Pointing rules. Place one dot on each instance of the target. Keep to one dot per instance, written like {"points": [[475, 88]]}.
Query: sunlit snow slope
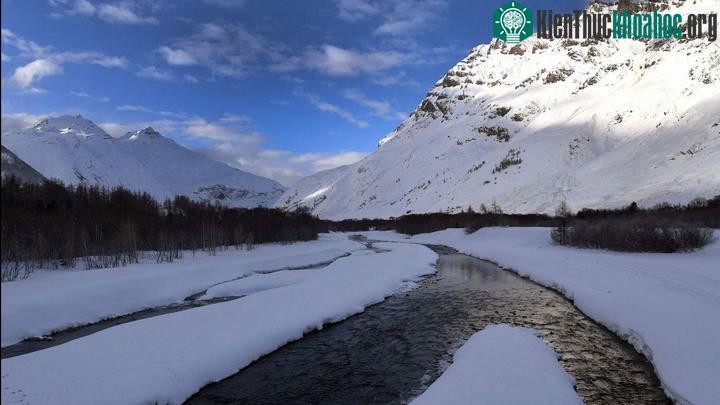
{"points": [[596, 123]]}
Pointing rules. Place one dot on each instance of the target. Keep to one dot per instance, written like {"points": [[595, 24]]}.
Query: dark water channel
{"points": [[391, 352], [192, 301]]}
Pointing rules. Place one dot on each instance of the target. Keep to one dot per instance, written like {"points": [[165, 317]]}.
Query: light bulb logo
{"points": [[512, 23]]}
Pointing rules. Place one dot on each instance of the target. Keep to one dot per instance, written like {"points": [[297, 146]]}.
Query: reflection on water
{"points": [[391, 352]]}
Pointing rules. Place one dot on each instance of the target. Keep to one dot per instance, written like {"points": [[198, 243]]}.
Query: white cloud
{"points": [[216, 131], [17, 121], [89, 96], [109, 61], [33, 71], [177, 56], [27, 48], [284, 166], [190, 78], [234, 118], [381, 109], [83, 7], [355, 10], [121, 14], [340, 159], [323, 105], [33, 91], [397, 17], [144, 109], [134, 107], [232, 50], [337, 61], [225, 49], [46, 62], [5, 58], [124, 12], [151, 72]]}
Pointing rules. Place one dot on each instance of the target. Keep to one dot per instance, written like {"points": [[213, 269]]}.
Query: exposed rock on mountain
{"points": [[599, 123]]}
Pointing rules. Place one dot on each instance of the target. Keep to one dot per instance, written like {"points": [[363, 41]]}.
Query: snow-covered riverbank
{"points": [[502, 364], [167, 358], [666, 305], [53, 300]]}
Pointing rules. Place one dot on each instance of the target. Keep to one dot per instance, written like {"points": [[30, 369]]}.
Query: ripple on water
{"points": [[394, 350]]}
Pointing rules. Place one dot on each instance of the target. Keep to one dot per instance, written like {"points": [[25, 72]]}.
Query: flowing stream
{"points": [[395, 349]]}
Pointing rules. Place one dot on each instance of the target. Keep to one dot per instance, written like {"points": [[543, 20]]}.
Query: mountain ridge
{"points": [[596, 123], [74, 150]]}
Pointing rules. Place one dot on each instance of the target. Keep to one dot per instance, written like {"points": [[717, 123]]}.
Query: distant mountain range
{"points": [[597, 123], [74, 150]]}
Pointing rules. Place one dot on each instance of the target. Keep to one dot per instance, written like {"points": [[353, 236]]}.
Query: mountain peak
{"points": [[70, 125], [526, 126], [148, 133], [62, 148]]}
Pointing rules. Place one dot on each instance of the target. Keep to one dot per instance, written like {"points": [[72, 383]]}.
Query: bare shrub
{"points": [[563, 213], [633, 236]]}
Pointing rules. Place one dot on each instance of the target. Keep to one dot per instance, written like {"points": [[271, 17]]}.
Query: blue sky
{"points": [[278, 88]]}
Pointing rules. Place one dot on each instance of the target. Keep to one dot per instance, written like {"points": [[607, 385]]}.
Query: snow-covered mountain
{"points": [[14, 166], [595, 123], [75, 150]]}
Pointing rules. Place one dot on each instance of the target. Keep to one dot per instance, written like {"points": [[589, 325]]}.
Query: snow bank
{"points": [[167, 358], [502, 364], [260, 282], [53, 300], [666, 305]]}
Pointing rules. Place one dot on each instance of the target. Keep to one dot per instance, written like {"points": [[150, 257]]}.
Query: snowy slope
{"points": [[75, 150], [597, 123], [14, 166]]}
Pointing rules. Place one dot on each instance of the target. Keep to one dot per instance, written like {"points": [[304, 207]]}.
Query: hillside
{"points": [[599, 123]]}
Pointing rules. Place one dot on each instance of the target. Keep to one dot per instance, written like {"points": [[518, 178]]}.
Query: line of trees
{"points": [[51, 224], [699, 213]]}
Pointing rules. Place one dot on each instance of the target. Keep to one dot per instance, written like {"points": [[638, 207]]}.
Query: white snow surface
{"points": [[666, 305], [502, 364], [596, 123], [59, 299], [74, 150], [261, 282], [167, 358]]}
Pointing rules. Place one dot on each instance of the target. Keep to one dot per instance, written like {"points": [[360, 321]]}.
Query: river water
{"points": [[393, 351]]}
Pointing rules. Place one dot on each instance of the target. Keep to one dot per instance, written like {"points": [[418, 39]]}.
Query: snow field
{"points": [[166, 359]]}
